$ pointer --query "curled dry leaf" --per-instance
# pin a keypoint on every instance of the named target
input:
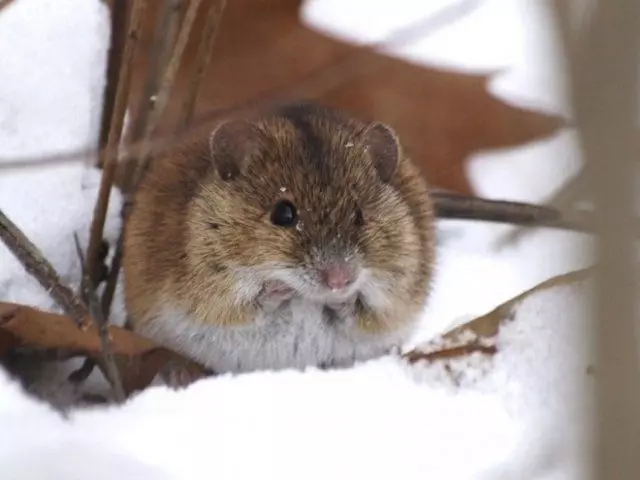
(479, 334)
(138, 359)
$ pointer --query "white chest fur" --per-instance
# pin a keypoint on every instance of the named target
(296, 335)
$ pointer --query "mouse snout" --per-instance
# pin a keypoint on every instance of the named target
(338, 276)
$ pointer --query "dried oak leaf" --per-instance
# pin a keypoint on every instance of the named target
(263, 50)
(138, 358)
(479, 334)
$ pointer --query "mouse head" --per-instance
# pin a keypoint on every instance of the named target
(309, 197)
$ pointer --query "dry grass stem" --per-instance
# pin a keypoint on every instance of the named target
(166, 83)
(462, 207)
(39, 268)
(109, 367)
(116, 49)
(112, 278)
(110, 153)
(149, 118)
(164, 40)
(203, 58)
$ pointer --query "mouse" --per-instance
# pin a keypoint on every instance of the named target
(286, 239)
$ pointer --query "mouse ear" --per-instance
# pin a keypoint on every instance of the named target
(231, 145)
(384, 148)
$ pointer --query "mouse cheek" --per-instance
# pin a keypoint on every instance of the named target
(384, 247)
(273, 246)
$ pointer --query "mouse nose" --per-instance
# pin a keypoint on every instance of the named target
(337, 277)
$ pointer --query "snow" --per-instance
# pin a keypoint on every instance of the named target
(50, 96)
(517, 416)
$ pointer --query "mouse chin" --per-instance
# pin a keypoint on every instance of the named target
(324, 295)
(321, 294)
(315, 292)
(309, 287)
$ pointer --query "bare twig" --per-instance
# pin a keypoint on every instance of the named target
(148, 122)
(110, 368)
(115, 132)
(563, 201)
(203, 58)
(462, 207)
(39, 268)
(114, 272)
(116, 50)
(161, 48)
(313, 84)
(166, 84)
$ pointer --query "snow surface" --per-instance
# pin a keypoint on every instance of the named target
(515, 417)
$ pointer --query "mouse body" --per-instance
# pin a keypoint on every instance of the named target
(301, 237)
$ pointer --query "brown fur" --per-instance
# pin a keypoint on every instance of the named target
(189, 229)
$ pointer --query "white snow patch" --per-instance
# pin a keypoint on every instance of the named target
(517, 419)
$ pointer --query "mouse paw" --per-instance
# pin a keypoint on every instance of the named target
(177, 375)
(274, 294)
(342, 310)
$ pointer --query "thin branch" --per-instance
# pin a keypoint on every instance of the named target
(161, 50)
(312, 84)
(114, 64)
(115, 132)
(160, 55)
(166, 84)
(462, 207)
(564, 201)
(39, 268)
(203, 59)
(148, 122)
(114, 271)
(111, 369)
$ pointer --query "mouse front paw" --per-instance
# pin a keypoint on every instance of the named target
(274, 294)
(177, 375)
(341, 310)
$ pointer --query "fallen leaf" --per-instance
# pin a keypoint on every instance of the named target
(441, 116)
(139, 359)
(479, 334)
(445, 354)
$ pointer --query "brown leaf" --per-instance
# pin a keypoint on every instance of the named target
(416, 355)
(479, 334)
(441, 116)
(138, 358)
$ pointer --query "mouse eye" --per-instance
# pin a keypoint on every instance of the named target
(358, 217)
(284, 214)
